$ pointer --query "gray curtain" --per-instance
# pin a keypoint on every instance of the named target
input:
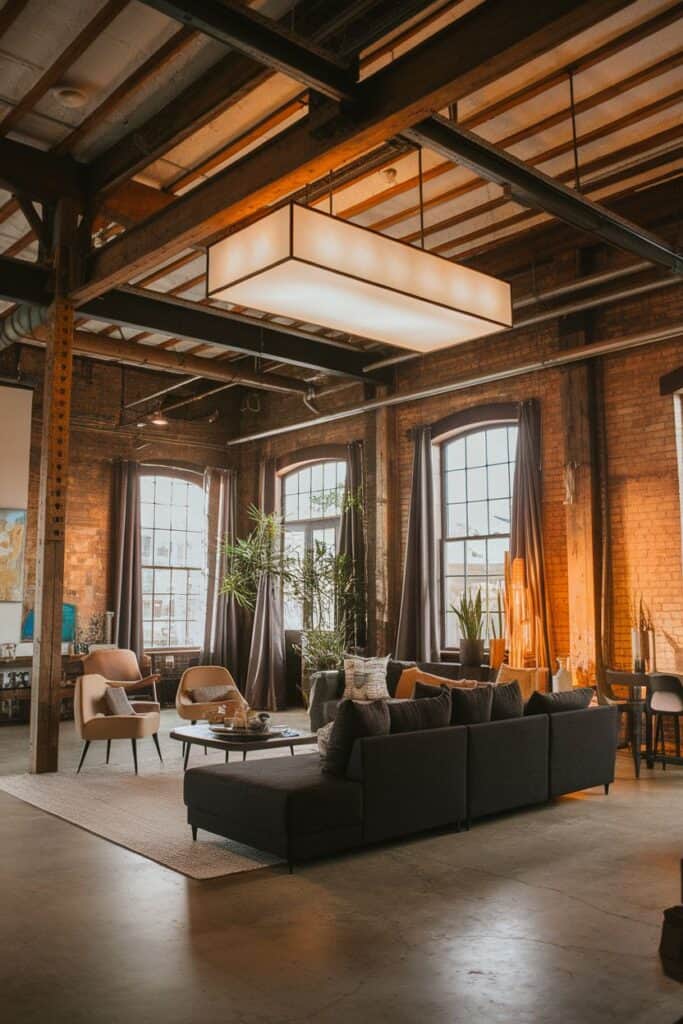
(418, 623)
(352, 543)
(526, 527)
(266, 679)
(224, 623)
(126, 557)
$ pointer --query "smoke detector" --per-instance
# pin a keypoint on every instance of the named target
(389, 175)
(70, 96)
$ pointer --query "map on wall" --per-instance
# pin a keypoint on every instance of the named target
(12, 531)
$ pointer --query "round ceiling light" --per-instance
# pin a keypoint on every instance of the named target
(159, 419)
(70, 96)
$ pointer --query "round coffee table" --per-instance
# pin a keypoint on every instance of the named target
(204, 737)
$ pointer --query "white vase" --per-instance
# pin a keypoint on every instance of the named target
(562, 680)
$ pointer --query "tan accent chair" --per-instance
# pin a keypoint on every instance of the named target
(120, 668)
(93, 722)
(200, 676)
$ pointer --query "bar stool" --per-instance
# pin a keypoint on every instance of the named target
(665, 697)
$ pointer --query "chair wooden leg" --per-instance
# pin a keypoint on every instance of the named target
(227, 756)
(155, 737)
(677, 734)
(108, 751)
(244, 755)
(194, 833)
(606, 788)
(187, 755)
(134, 745)
(83, 753)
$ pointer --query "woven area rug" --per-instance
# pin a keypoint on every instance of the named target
(143, 813)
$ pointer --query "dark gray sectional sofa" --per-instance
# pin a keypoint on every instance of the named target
(399, 784)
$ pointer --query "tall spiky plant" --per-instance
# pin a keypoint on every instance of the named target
(469, 614)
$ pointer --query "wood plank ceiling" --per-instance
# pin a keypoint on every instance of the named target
(130, 62)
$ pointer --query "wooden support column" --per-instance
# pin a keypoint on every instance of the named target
(581, 461)
(54, 471)
(384, 546)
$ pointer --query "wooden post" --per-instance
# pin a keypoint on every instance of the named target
(581, 460)
(386, 548)
(54, 471)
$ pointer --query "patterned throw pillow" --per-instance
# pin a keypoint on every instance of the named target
(211, 694)
(365, 678)
(323, 738)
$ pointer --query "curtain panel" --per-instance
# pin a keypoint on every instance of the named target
(352, 544)
(526, 529)
(266, 677)
(126, 557)
(418, 623)
(224, 620)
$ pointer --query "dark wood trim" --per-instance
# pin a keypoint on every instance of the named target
(316, 453)
(476, 416)
(671, 382)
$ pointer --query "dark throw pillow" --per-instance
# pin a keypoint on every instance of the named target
(469, 705)
(507, 701)
(117, 701)
(354, 721)
(550, 703)
(394, 672)
(431, 712)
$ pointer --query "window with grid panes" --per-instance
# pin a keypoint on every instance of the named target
(311, 507)
(173, 526)
(477, 473)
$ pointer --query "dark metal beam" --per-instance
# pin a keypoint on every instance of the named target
(530, 186)
(24, 282)
(40, 175)
(489, 41)
(179, 318)
(265, 41)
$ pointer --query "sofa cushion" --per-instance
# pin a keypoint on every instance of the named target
(353, 721)
(263, 801)
(471, 706)
(507, 701)
(433, 712)
(365, 678)
(507, 764)
(416, 674)
(395, 670)
(323, 738)
(116, 699)
(550, 703)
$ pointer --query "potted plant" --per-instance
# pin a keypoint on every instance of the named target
(469, 614)
(641, 625)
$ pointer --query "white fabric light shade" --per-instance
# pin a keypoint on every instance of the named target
(306, 265)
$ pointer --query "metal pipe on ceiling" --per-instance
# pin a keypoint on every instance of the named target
(574, 355)
(161, 392)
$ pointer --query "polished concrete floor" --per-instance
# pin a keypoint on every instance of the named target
(547, 915)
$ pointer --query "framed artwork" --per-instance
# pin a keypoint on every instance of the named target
(12, 537)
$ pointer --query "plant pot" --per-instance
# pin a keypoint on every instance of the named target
(471, 652)
(496, 652)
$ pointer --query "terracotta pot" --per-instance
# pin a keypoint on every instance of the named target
(496, 652)
(471, 652)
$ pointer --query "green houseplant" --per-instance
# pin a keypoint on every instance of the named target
(468, 612)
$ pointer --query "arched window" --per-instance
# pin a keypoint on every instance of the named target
(477, 473)
(173, 526)
(311, 504)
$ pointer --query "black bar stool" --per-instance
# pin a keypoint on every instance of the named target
(665, 697)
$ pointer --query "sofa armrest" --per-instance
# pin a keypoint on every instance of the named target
(583, 748)
(144, 707)
(325, 686)
(412, 781)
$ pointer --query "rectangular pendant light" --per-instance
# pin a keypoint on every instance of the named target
(306, 265)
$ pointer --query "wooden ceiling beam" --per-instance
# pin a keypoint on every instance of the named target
(52, 75)
(9, 14)
(490, 41)
(39, 175)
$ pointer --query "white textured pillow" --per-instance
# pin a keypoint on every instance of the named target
(323, 737)
(366, 678)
